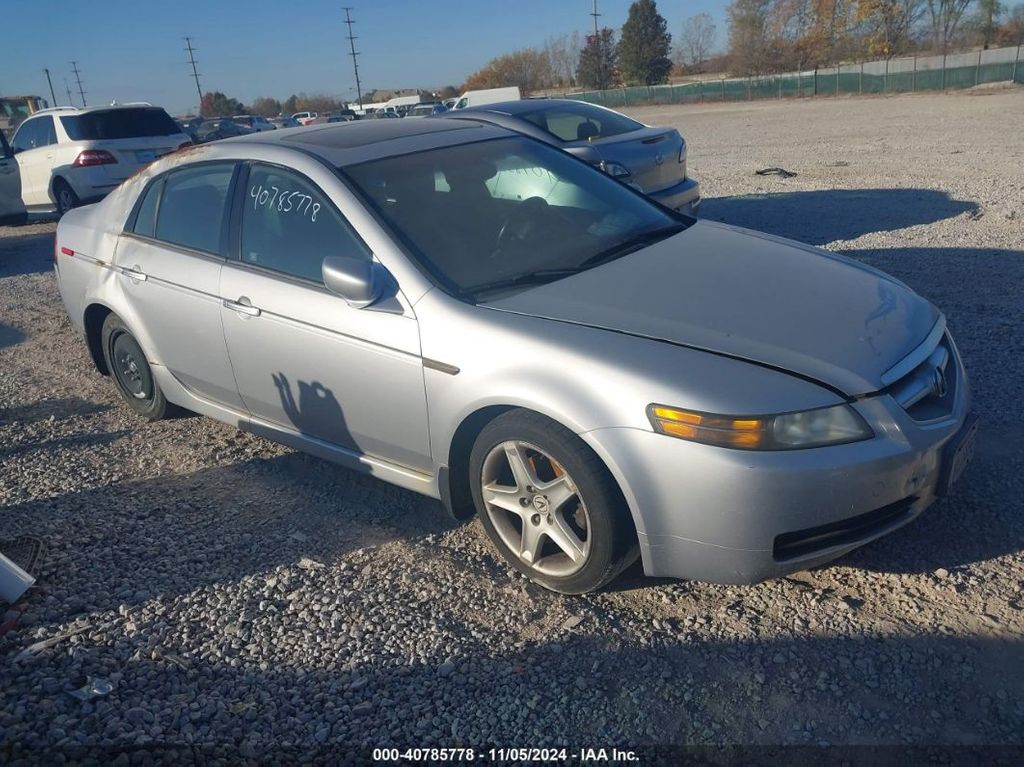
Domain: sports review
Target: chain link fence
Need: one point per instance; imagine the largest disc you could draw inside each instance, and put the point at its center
(903, 75)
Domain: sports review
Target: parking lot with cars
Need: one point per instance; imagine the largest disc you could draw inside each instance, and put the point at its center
(240, 595)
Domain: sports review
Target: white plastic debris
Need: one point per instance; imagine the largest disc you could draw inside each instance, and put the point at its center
(13, 581)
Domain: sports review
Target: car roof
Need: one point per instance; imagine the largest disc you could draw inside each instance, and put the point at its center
(97, 108)
(352, 142)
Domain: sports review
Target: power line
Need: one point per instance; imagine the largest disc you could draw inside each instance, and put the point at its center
(352, 47)
(50, 83)
(195, 72)
(78, 78)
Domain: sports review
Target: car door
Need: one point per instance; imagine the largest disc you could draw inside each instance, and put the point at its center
(303, 358)
(11, 205)
(170, 259)
(34, 149)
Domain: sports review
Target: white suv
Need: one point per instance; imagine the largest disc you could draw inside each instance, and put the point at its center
(69, 156)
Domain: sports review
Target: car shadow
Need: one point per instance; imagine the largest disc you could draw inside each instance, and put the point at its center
(29, 253)
(10, 336)
(820, 217)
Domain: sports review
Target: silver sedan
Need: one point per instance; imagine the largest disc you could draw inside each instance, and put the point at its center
(649, 158)
(477, 316)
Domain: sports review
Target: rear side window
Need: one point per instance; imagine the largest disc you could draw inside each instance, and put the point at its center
(193, 207)
(288, 225)
(119, 123)
(35, 133)
(145, 219)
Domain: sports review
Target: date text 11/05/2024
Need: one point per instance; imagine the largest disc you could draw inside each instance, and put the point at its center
(610, 755)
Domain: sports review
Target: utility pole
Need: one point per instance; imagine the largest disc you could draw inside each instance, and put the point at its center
(78, 78)
(195, 72)
(595, 14)
(50, 83)
(352, 47)
(67, 88)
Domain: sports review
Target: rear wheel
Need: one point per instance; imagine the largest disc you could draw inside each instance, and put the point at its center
(131, 371)
(64, 196)
(549, 504)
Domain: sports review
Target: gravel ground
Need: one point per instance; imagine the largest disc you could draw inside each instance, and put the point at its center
(236, 593)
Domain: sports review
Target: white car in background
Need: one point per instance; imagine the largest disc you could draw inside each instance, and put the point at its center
(12, 209)
(68, 156)
(305, 118)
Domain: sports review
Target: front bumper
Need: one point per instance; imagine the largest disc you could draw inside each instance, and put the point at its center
(684, 196)
(730, 516)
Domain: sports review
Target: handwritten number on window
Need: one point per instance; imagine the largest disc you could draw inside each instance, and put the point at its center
(284, 201)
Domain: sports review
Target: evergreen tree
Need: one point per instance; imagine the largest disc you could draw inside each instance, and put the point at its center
(598, 65)
(644, 45)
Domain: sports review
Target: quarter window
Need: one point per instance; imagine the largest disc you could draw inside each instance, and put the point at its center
(288, 225)
(193, 207)
(145, 219)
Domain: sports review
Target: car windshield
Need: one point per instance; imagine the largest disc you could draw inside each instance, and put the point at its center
(119, 123)
(497, 215)
(578, 122)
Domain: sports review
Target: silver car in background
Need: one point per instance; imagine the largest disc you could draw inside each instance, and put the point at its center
(648, 158)
(477, 316)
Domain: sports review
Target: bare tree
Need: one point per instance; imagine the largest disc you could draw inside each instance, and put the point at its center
(696, 41)
(563, 56)
(945, 16)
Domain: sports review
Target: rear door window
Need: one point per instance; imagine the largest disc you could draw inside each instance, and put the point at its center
(193, 207)
(119, 123)
(289, 225)
(34, 134)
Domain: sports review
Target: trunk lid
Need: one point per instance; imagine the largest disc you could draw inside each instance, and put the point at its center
(651, 155)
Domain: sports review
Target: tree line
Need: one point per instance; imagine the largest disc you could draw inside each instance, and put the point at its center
(763, 37)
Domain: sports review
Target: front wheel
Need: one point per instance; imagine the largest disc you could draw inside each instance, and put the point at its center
(130, 370)
(549, 504)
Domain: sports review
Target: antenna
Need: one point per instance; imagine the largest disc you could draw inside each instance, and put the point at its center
(595, 14)
(195, 72)
(50, 83)
(67, 88)
(352, 47)
(78, 78)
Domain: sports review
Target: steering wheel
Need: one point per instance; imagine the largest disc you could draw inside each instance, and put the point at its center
(523, 221)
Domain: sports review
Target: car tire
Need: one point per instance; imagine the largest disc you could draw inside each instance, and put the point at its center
(130, 370)
(64, 196)
(564, 522)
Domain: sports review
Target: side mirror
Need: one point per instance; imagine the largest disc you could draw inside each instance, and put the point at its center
(354, 279)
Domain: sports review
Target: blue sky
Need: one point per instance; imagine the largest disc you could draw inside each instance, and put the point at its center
(134, 51)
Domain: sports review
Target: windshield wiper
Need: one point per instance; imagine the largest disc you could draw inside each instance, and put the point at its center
(537, 277)
(632, 244)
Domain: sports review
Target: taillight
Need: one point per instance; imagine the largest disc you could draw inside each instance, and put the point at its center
(90, 157)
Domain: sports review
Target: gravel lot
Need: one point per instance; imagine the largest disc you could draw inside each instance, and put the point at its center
(239, 594)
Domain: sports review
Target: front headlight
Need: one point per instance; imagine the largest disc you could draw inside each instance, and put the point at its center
(786, 431)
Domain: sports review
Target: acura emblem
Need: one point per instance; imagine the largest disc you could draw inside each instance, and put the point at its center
(939, 382)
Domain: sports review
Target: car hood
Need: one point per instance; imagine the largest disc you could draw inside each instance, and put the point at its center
(751, 296)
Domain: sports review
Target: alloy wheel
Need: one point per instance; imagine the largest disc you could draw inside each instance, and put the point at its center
(536, 508)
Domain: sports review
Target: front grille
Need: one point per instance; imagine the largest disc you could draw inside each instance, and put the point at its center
(850, 530)
(928, 391)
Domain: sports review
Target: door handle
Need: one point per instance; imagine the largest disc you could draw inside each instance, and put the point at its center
(132, 274)
(242, 306)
